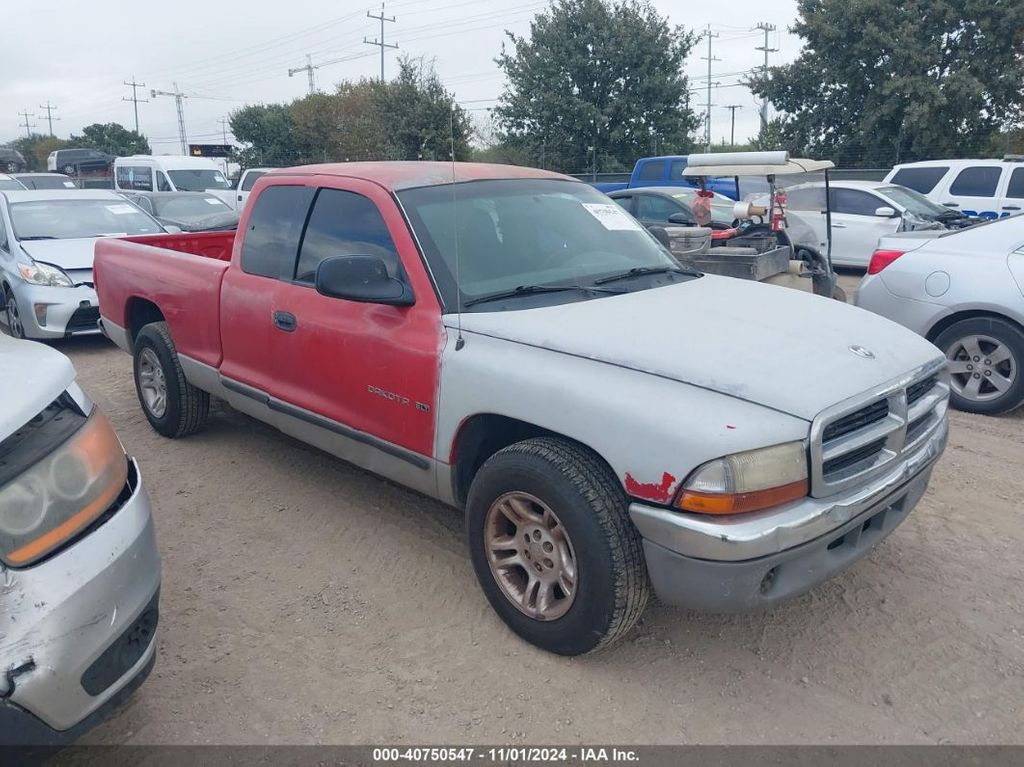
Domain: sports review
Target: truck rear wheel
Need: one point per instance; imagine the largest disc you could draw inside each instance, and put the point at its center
(173, 406)
(553, 547)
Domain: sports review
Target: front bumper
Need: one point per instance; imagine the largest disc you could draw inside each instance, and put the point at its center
(68, 311)
(78, 628)
(752, 561)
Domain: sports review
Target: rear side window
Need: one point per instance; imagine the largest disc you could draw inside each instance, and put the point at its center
(977, 181)
(625, 202)
(676, 170)
(250, 179)
(271, 239)
(344, 224)
(650, 207)
(921, 180)
(652, 171)
(1016, 187)
(136, 177)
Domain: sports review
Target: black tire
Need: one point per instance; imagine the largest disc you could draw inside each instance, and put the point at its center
(612, 587)
(187, 407)
(1012, 339)
(12, 322)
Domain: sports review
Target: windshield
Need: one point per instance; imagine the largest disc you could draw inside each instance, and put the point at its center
(198, 180)
(527, 232)
(66, 219)
(189, 207)
(915, 202)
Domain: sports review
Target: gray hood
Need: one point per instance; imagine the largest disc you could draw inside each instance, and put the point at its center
(67, 254)
(769, 345)
(31, 377)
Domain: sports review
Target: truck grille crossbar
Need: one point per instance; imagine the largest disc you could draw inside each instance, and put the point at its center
(867, 434)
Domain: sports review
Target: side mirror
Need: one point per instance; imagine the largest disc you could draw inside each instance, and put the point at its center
(361, 278)
(661, 236)
(172, 229)
(680, 219)
(886, 212)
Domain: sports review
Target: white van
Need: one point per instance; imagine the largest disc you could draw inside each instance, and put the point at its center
(175, 173)
(986, 188)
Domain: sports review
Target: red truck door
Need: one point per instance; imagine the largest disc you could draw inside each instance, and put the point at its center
(369, 367)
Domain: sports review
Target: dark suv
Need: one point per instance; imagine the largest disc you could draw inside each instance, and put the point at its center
(11, 161)
(78, 161)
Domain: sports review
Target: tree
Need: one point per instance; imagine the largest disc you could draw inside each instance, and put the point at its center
(880, 82)
(268, 132)
(597, 78)
(112, 138)
(35, 149)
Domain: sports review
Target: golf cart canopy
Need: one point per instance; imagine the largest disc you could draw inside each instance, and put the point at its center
(751, 164)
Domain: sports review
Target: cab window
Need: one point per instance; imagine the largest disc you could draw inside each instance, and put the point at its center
(344, 224)
(977, 181)
(652, 171)
(271, 240)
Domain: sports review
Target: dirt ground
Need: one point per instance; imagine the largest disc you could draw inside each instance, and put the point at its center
(305, 601)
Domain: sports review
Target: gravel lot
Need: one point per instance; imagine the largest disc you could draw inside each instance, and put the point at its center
(306, 601)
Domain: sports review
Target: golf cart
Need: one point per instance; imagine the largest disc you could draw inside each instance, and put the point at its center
(765, 242)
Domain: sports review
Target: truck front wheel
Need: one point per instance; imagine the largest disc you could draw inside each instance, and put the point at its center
(173, 406)
(553, 547)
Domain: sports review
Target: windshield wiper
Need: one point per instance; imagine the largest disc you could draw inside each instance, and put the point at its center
(639, 271)
(37, 237)
(525, 290)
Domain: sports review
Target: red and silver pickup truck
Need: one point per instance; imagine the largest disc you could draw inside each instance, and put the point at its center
(511, 342)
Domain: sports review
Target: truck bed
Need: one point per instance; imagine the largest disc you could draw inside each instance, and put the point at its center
(177, 274)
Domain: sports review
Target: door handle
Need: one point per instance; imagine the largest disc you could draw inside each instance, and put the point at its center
(838, 226)
(951, 204)
(1011, 207)
(285, 321)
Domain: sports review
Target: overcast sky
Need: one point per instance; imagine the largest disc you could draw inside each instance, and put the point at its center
(228, 53)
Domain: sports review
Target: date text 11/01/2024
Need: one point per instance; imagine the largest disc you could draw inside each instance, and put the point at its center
(505, 754)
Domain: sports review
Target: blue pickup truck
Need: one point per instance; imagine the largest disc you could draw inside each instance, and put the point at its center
(668, 171)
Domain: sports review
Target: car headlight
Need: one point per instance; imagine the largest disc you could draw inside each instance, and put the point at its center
(45, 274)
(63, 493)
(748, 481)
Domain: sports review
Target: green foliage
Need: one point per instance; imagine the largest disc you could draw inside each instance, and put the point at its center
(28, 146)
(597, 77)
(880, 82)
(772, 136)
(112, 138)
(408, 118)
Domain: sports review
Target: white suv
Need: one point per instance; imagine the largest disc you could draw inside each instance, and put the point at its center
(986, 188)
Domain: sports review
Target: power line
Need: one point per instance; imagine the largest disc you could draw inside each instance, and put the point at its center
(766, 28)
(49, 114)
(28, 128)
(382, 18)
(135, 98)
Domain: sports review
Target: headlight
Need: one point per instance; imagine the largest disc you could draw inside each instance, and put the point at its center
(749, 481)
(60, 495)
(44, 274)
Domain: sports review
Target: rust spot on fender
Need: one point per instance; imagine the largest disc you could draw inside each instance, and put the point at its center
(651, 491)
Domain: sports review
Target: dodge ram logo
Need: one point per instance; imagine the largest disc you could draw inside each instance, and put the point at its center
(860, 351)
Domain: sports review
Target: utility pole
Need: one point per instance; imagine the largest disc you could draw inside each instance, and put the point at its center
(732, 108)
(135, 98)
(179, 97)
(709, 58)
(28, 128)
(224, 129)
(49, 114)
(307, 69)
(766, 28)
(382, 18)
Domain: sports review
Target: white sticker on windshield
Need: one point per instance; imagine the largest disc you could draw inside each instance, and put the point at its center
(212, 201)
(122, 209)
(69, 184)
(611, 216)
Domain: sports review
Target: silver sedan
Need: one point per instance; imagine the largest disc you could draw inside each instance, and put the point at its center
(963, 291)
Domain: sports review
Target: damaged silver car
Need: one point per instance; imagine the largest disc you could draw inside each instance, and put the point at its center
(79, 568)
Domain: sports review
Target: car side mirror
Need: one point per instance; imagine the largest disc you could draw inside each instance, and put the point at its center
(661, 236)
(681, 219)
(361, 278)
(886, 212)
(172, 229)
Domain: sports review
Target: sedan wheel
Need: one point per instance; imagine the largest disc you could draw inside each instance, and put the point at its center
(14, 324)
(985, 359)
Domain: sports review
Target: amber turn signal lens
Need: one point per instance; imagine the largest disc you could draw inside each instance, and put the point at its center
(738, 503)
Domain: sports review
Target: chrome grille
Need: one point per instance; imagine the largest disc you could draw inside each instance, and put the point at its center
(866, 434)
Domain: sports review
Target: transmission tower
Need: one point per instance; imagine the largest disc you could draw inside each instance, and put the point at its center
(49, 114)
(135, 98)
(179, 98)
